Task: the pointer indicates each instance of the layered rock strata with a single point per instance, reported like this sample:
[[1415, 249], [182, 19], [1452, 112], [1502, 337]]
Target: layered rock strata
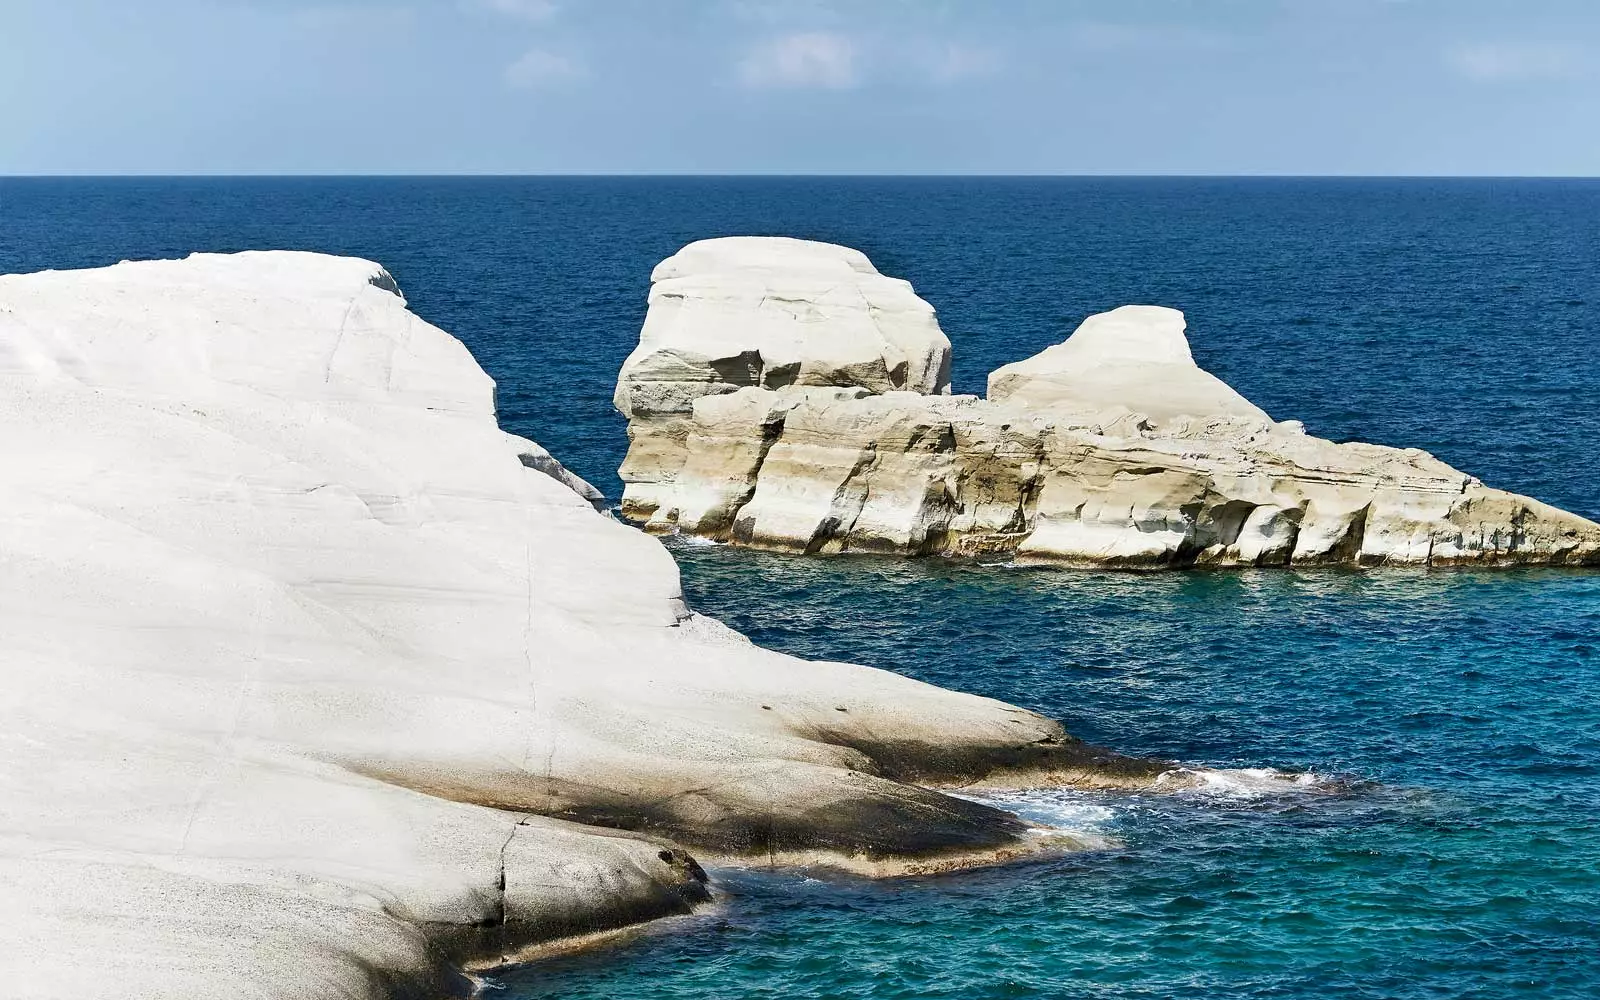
[[769, 312], [1111, 449], [317, 684]]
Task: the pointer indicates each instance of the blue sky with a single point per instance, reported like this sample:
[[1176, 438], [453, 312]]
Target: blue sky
[[803, 86]]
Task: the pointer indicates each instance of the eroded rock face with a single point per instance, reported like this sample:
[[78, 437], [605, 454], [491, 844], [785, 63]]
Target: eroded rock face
[[317, 683], [765, 312], [1112, 448]]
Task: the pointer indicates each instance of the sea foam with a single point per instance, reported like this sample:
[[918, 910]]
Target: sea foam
[[1245, 783], [1056, 811]]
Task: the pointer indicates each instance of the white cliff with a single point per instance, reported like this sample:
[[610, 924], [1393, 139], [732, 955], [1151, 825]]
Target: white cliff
[[1112, 448], [317, 684], [768, 312]]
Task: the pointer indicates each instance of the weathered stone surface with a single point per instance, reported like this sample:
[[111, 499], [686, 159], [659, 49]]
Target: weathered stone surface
[[1111, 449], [1133, 358], [766, 312], [309, 668]]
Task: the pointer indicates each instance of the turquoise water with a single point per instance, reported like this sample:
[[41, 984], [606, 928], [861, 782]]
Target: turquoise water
[[1444, 841], [1445, 848]]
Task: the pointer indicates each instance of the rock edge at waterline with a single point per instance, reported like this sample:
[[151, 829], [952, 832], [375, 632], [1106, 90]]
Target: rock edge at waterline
[[1111, 449], [318, 684]]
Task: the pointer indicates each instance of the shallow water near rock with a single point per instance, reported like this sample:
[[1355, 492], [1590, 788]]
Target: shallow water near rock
[[1438, 842], [1442, 840]]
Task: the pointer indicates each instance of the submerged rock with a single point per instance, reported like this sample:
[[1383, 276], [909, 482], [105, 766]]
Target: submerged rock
[[1112, 448], [318, 684]]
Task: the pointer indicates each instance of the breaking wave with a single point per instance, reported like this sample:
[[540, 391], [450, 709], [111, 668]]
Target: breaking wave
[[1086, 817], [1249, 784]]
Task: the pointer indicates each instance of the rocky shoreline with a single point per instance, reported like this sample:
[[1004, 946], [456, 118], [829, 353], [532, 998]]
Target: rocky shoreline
[[786, 396], [319, 684]]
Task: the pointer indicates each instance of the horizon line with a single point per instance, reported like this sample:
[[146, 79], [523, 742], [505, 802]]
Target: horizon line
[[781, 176]]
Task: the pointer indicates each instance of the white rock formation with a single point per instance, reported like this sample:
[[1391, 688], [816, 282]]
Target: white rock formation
[[1111, 449], [1135, 358], [769, 312], [309, 681]]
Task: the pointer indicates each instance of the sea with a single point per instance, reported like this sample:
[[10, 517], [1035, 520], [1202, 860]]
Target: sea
[[1408, 804]]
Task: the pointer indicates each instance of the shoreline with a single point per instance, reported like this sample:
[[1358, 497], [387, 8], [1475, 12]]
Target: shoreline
[[344, 661], [1041, 842], [1509, 569], [1038, 845], [478, 972]]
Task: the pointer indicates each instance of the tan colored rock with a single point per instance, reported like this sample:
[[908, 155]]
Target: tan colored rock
[[1111, 449], [876, 473]]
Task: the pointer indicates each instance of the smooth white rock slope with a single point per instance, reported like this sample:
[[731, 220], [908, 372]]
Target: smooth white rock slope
[[298, 650]]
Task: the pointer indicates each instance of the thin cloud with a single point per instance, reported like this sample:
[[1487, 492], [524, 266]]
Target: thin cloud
[[782, 11], [1502, 62], [525, 10], [812, 59], [1106, 36], [537, 68], [333, 16], [953, 62]]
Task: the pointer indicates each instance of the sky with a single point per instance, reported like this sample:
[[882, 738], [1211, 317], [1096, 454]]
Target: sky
[[1435, 87]]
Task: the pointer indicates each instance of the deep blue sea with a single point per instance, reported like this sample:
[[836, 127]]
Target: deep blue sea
[[1447, 846]]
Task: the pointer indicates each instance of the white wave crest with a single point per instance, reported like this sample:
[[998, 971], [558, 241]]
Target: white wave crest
[[693, 541], [1054, 812], [1242, 783]]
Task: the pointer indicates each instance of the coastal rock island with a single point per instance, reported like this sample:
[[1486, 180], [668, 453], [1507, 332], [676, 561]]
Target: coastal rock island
[[319, 684], [786, 396]]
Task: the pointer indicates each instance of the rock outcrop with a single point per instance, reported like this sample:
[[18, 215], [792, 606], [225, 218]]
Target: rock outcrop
[[1111, 449], [769, 312], [317, 684]]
